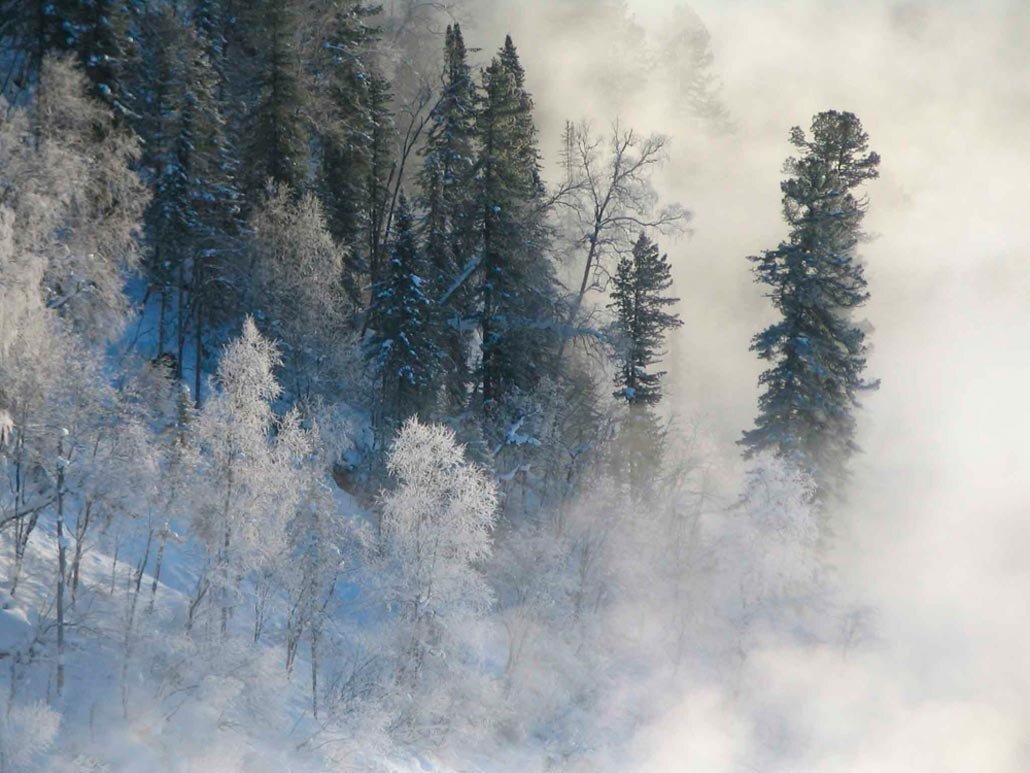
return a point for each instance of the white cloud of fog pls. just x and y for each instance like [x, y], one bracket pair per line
[937, 535]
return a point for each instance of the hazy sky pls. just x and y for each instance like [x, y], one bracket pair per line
[938, 533]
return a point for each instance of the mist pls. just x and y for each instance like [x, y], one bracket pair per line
[933, 538]
[331, 439]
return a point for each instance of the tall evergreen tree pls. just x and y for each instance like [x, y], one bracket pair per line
[815, 280]
[519, 291]
[403, 347]
[354, 143]
[275, 127]
[99, 32]
[380, 172]
[194, 211]
[640, 302]
[106, 47]
[448, 200]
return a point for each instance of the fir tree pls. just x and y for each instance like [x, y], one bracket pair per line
[639, 300]
[403, 346]
[519, 291]
[275, 127]
[817, 352]
[448, 200]
[99, 32]
[191, 162]
[353, 146]
[106, 47]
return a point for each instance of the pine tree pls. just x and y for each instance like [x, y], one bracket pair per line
[817, 352]
[519, 291]
[403, 346]
[275, 126]
[448, 200]
[641, 280]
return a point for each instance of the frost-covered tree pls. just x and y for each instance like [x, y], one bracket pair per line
[67, 224]
[436, 526]
[68, 181]
[296, 287]
[817, 352]
[252, 466]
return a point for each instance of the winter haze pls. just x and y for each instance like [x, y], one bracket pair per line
[315, 454]
[934, 540]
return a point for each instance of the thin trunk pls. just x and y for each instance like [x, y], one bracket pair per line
[314, 670]
[61, 565]
[583, 285]
[180, 321]
[163, 536]
[130, 621]
[198, 337]
[81, 525]
[114, 562]
[203, 584]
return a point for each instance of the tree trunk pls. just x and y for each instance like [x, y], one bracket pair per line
[61, 562]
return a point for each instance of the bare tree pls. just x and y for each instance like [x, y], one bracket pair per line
[610, 199]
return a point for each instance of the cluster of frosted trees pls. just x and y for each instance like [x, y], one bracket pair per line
[316, 555]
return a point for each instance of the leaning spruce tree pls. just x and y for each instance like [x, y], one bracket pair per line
[817, 352]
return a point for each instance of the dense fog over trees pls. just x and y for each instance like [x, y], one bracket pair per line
[575, 385]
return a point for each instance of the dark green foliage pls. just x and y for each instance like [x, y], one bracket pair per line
[639, 300]
[519, 292]
[190, 162]
[275, 127]
[448, 200]
[403, 346]
[817, 353]
[99, 32]
[354, 143]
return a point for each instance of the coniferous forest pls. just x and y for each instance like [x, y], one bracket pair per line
[358, 413]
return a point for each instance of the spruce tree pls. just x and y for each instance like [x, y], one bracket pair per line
[191, 164]
[402, 347]
[519, 292]
[448, 226]
[640, 302]
[817, 352]
[275, 127]
[106, 47]
[354, 142]
[99, 32]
